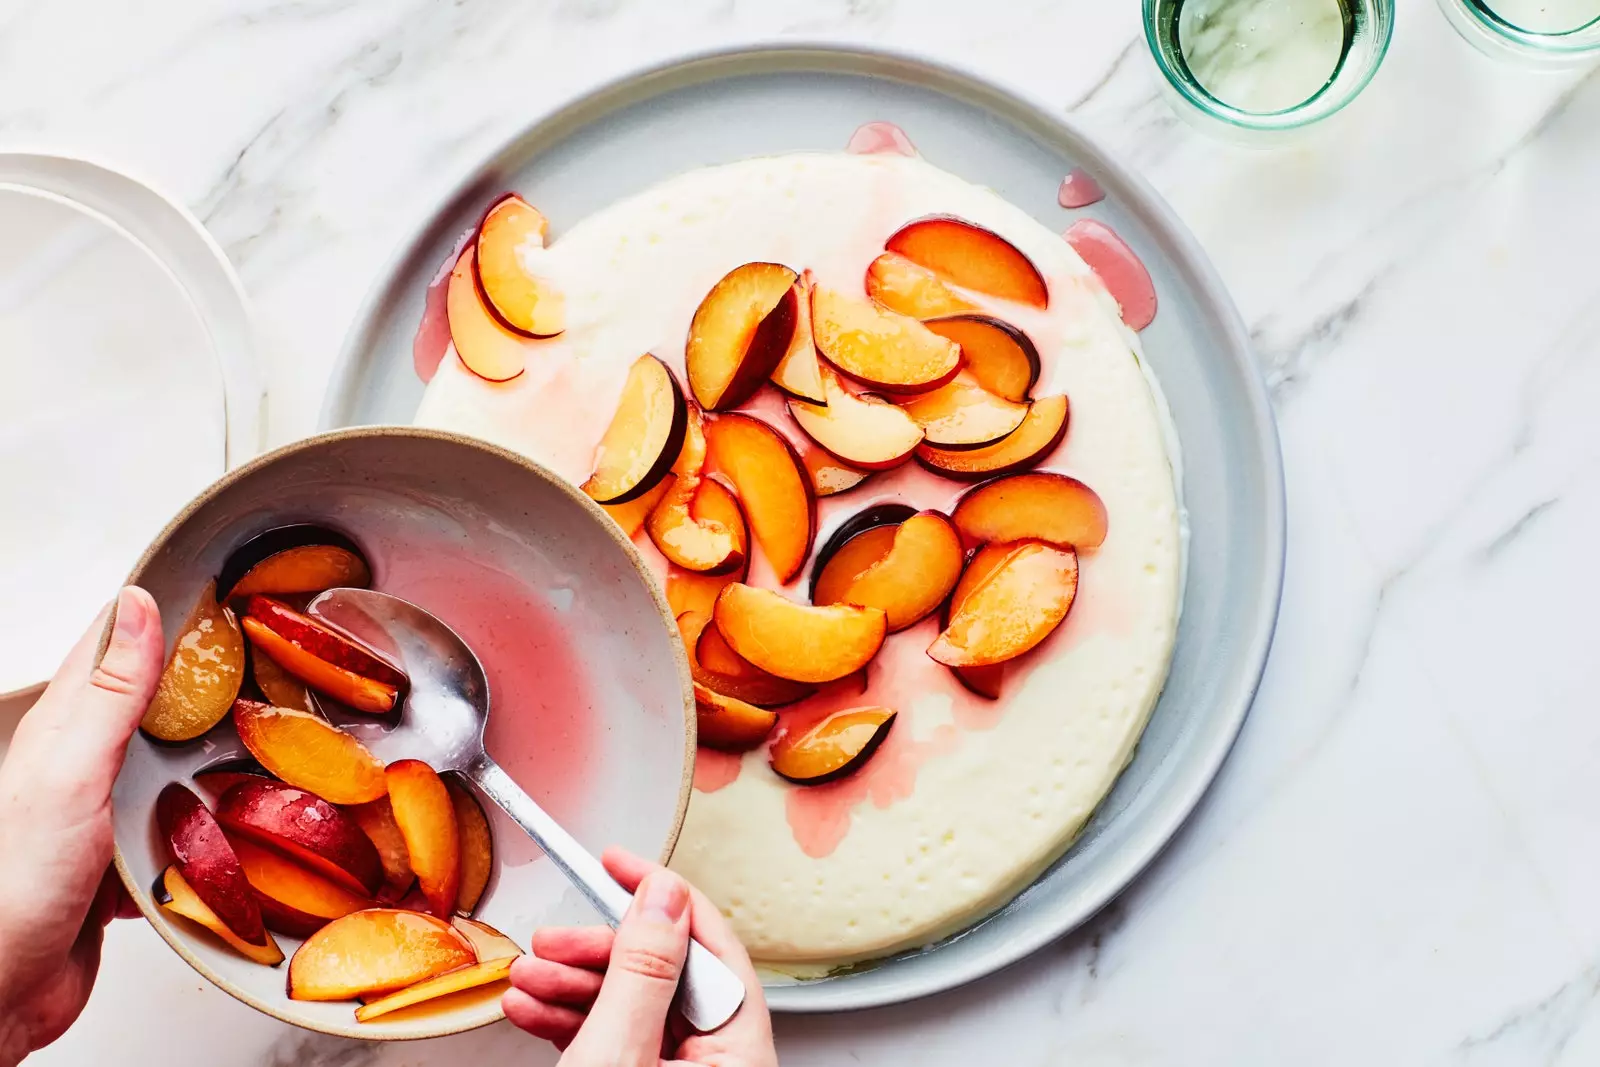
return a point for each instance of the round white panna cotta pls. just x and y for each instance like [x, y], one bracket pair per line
[968, 798]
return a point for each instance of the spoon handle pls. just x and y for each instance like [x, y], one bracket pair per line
[708, 994]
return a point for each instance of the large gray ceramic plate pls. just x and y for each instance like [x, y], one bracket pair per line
[731, 105]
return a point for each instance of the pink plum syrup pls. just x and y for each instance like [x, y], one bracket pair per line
[1079, 190]
[714, 770]
[542, 721]
[1119, 267]
[873, 138]
[433, 332]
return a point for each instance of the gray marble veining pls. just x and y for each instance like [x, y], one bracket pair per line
[1400, 863]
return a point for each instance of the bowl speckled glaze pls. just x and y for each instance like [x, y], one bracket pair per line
[432, 511]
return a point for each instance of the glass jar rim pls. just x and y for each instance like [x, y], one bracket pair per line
[1560, 41]
[1375, 32]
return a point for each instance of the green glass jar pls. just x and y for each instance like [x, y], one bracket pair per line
[1555, 34]
[1254, 71]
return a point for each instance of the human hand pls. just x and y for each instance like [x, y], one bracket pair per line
[603, 996]
[57, 889]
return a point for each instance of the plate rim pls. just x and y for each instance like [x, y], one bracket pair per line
[1181, 797]
[164, 228]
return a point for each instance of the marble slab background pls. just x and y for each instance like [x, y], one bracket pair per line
[1401, 863]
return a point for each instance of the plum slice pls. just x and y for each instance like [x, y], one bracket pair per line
[322, 641]
[1000, 357]
[832, 577]
[645, 435]
[910, 580]
[487, 942]
[886, 513]
[963, 415]
[1039, 505]
[427, 819]
[207, 861]
[798, 373]
[830, 475]
[472, 976]
[901, 285]
[880, 348]
[839, 745]
[728, 723]
[1038, 435]
[293, 900]
[740, 333]
[801, 642]
[981, 562]
[520, 301]
[202, 676]
[308, 752]
[281, 688]
[830, 574]
[306, 829]
[972, 257]
[377, 821]
[728, 673]
[689, 590]
[719, 668]
[1018, 605]
[864, 431]
[305, 569]
[477, 847]
[695, 543]
[274, 542]
[349, 688]
[375, 951]
[173, 893]
[218, 778]
[485, 346]
[772, 487]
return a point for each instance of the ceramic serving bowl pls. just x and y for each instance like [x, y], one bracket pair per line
[591, 705]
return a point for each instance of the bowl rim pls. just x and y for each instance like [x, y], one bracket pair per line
[140, 894]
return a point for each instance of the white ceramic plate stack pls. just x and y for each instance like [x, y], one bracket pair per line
[131, 384]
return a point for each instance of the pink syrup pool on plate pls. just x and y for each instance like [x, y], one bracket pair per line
[1119, 268]
[872, 138]
[433, 332]
[1079, 190]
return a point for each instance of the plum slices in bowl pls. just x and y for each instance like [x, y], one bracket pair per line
[899, 468]
[377, 869]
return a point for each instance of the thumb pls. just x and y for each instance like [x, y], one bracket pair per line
[121, 686]
[646, 960]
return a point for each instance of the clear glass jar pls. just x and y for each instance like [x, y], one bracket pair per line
[1366, 27]
[1555, 42]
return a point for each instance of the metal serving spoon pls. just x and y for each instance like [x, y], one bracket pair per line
[445, 713]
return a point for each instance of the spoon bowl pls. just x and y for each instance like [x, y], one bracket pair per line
[446, 708]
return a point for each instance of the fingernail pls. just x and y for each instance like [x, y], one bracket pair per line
[663, 897]
[130, 617]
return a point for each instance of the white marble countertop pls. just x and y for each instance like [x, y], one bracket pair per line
[1401, 861]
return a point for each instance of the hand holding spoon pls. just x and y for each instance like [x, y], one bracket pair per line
[443, 723]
